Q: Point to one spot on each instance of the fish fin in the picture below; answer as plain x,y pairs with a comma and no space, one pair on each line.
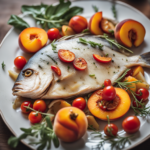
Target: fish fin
146,57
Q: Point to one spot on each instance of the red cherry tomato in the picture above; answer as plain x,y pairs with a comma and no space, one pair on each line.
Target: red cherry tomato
34,117
107,82
111,130
20,62
25,110
109,93
53,34
39,105
129,73
80,64
142,94
102,106
136,105
131,124
66,55
79,103
57,70
78,23
102,59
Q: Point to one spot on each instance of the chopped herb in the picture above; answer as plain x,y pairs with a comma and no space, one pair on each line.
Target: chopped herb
85,30
41,53
114,11
114,72
113,54
68,68
95,8
95,77
52,59
94,63
111,32
3,65
118,66
47,63
105,36
93,44
39,66
106,55
126,59
58,80
92,75
112,61
66,29
53,45
76,48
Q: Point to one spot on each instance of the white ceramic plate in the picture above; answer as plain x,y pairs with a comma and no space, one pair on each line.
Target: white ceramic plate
9,49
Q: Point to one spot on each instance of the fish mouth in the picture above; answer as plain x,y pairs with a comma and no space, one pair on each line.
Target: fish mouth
16,88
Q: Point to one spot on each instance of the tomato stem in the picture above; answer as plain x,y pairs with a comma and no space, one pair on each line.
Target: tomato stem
108,119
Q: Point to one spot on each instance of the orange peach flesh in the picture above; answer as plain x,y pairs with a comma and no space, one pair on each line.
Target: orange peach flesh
121,109
69,130
32,39
136,29
94,24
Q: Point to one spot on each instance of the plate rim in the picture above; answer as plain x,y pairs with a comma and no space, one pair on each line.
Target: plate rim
10,30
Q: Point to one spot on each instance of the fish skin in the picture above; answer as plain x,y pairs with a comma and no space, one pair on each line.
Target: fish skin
44,82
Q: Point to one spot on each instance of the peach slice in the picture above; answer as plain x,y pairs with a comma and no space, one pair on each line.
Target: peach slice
32,39
121,109
92,122
66,30
70,124
137,69
130,31
94,24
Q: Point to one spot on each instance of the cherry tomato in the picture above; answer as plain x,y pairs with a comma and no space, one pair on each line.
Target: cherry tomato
25,110
102,106
107,82
79,103
142,94
80,64
109,93
56,69
34,117
66,55
39,105
102,59
129,73
111,130
20,62
131,124
53,34
136,105
78,23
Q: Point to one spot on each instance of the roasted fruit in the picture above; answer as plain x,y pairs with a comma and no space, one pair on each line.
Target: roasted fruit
102,59
130,31
137,69
94,24
32,39
66,30
121,109
92,122
80,64
70,124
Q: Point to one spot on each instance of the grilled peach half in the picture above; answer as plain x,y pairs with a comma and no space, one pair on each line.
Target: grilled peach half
130,31
70,124
120,110
32,39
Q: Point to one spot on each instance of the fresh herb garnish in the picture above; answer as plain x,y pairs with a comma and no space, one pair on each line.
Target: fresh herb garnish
111,32
52,59
114,11
51,16
18,22
93,44
95,8
68,68
54,46
85,30
106,55
111,41
43,131
3,65
66,29
91,75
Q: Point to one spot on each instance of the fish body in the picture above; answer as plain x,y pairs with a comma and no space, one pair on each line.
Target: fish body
46,84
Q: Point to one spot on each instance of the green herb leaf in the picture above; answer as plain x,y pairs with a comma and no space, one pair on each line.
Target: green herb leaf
54,46
85,30
3,65
48,121
17,22
114,10
52,59
111,31
95,8
91,75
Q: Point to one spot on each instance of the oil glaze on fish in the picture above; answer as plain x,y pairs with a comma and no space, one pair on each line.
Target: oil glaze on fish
43,83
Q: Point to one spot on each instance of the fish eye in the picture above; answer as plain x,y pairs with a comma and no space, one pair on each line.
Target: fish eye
28,73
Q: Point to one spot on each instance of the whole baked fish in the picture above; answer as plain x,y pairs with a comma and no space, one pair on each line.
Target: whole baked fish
37,80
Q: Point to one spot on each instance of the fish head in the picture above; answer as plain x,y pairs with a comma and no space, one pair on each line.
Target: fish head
33,82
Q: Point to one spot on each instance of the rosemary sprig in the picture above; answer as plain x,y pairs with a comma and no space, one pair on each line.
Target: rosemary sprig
114,11
52,59
111,41
54,46
111,32
95,8
43,131
93,44
85,30
3,65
